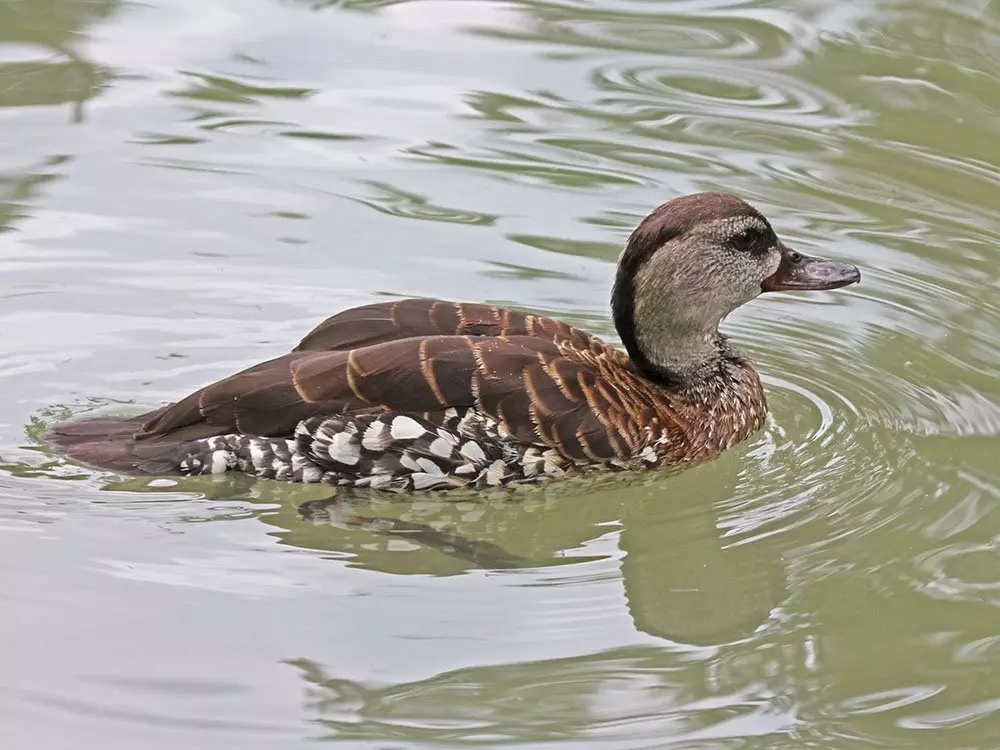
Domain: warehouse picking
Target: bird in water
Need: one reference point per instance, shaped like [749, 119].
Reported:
[421, 394]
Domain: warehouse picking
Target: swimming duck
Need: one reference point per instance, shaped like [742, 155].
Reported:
[427, 394]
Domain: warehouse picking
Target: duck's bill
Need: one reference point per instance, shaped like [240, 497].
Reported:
[804, 273]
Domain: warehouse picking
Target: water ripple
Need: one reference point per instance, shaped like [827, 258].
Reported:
[729, 31]
[725, 91]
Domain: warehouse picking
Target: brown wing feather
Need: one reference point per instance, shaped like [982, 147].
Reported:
[541, 392]
[534, 388]
[273, 397]
[265, 399]
[406, 318]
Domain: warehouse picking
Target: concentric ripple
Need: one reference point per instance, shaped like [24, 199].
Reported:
[678, 29]
[719, 90]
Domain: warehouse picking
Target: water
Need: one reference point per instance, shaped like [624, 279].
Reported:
[187, 187]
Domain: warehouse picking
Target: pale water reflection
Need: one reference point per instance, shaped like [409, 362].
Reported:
[187, 187]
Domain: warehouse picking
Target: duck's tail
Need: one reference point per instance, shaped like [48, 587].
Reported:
[110, 443]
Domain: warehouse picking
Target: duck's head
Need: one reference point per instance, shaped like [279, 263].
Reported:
[689, 264]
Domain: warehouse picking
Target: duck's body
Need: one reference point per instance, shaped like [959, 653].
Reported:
[426, 394]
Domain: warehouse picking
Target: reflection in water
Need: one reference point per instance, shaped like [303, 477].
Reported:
[682, 581]
[32, 84]
[364, 5]
[48, 33]
[686, 584]
[221, 89]
[683, 584]
[483, 554]
[60, 75]
[18, 189]
[551, 701]
[685, 580]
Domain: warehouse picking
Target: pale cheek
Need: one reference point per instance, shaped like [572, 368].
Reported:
[769, 264]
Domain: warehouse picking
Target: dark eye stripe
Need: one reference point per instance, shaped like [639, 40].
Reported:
[753, 240]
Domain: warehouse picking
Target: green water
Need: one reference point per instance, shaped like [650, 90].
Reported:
[186, 187]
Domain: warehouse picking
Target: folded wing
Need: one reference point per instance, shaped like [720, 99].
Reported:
[539, 391]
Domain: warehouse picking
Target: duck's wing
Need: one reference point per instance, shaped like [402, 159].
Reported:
[401, 319]
[540, 392]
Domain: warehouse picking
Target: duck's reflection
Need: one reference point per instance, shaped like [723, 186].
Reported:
[684, 581]
[337, 512]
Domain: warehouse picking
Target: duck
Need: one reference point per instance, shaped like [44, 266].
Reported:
[426, 394]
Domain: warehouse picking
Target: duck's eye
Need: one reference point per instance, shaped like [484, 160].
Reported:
[752, 240]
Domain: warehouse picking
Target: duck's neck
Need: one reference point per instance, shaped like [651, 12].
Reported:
[712, 383]
[672, 337]
[679, 358]
[696, 360]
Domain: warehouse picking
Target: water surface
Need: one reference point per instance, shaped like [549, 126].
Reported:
[187, 187]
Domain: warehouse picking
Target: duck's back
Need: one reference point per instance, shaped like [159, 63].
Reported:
[407, 318]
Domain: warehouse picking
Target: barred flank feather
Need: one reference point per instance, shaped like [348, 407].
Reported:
[388, 451]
